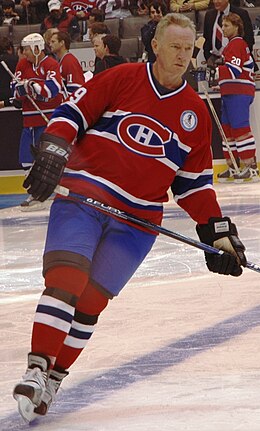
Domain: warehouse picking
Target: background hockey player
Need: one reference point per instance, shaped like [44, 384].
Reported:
[237, 87]
[39, 77]
[70, 68]
[140, 128]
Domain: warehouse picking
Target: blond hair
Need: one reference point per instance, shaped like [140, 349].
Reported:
[177, 19]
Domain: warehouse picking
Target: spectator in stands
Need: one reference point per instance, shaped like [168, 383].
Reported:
[79, 8]
[95, 16]
[115, 8]
[107, 50]
[60, 19]
[8, 56]
[157, 9]
[97, 28]
[243, 3]
[9, 15]
[213, 33]
[41, 9]
[27, 13]
[139, 7]
[188, 5]
[70, 68]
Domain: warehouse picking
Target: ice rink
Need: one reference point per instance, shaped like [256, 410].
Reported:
[178, 350]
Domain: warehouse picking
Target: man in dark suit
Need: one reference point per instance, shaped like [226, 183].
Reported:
[214, 40]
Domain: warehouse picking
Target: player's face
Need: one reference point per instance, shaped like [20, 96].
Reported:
[54, 43]
[99, 47]
[229, 30]
[28, 54]
[220, 5]
[173, 50]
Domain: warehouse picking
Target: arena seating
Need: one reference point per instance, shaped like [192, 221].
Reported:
[128, 29]
[114, 25]
[131, 48]
[5, 31]
[80, 45]
[18, 32]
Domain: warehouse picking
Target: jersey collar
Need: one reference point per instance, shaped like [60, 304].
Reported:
[160, 91]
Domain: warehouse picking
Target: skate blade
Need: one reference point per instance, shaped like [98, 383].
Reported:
[26, 408]
[247, 180]
[225, 180]
[41, 206]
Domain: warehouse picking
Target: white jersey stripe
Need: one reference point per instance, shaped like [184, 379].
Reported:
[191, 192]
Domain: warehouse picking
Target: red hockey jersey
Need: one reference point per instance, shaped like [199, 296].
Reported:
[133, 143]
[74, 6]
[236, 76]
[71, 72]
[47, 76]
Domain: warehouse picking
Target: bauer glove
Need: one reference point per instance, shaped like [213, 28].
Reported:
[222, 234]
[50, 159]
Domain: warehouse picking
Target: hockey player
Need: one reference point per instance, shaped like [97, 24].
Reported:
[237, 89]
[140, 129]
[70, 68]
[38, 76]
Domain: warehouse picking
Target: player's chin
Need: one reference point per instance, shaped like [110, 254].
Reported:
[180, 68]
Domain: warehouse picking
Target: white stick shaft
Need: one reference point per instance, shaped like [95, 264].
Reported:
[220, 128]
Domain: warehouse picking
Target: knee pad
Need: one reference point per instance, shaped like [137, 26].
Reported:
[241, 132]
[65, 283]
[228, 131]
[55, 258]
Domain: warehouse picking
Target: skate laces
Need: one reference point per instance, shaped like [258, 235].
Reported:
[51, 390]
[35, 375]
[52, 387]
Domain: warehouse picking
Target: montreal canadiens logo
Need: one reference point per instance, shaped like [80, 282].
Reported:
[143, 135]
[81, 5]
[189, 120]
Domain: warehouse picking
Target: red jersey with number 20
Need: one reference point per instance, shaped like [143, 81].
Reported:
[236, 75]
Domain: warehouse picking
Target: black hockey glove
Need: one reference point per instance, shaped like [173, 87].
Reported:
[222, 234]
[209, 74]
[50, 159]
[212, 76]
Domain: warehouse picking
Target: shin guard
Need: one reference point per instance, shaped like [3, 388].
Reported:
[88, 308]
[56, 308]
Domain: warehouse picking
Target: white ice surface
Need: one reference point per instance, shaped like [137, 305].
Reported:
[178, 350]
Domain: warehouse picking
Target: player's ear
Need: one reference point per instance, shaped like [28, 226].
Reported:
[154, 45]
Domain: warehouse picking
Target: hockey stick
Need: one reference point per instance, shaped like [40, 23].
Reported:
[220, 128]
[27, 95]
[144, 223]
